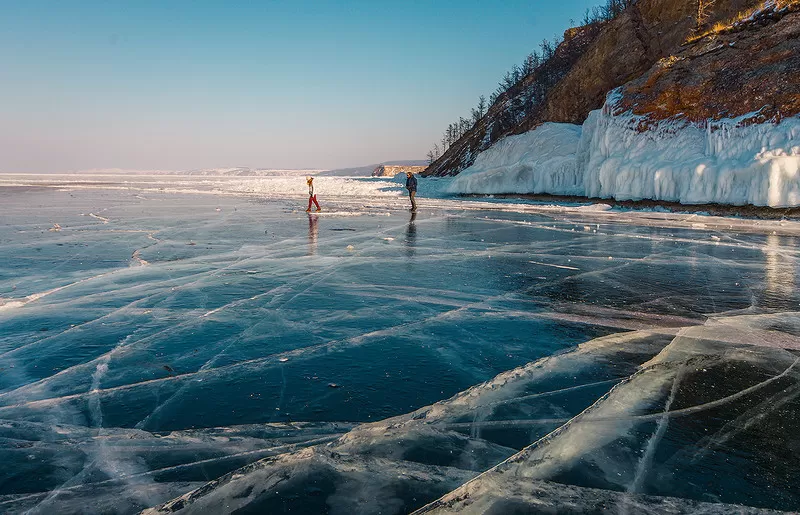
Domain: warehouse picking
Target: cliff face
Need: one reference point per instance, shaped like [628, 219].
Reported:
[753, 66]
[595, 59]
[718, 121]
[391, 170]
[646, 32]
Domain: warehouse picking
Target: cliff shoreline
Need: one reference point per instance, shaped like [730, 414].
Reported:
[694, 113]
[714, 209]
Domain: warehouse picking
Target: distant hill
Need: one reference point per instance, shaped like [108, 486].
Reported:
[392, 170]
[243, 171]
[366, 170]
[209, 172]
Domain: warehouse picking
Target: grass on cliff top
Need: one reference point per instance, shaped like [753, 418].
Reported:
[744, 18]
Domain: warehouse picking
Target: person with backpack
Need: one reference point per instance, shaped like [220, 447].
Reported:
[411, 186]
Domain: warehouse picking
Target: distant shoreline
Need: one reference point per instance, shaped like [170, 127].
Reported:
[746, 211]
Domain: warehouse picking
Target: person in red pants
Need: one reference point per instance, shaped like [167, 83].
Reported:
[311, 196]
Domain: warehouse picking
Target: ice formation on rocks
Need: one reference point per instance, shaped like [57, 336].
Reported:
[623, 156]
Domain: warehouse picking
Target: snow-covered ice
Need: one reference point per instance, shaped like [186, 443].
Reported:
[204, 345]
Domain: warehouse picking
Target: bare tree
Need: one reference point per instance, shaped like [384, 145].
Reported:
[703, 11]
[615, 7]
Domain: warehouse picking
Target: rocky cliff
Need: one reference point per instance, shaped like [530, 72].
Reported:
[392, 170]
[749, 67]
[668, 66]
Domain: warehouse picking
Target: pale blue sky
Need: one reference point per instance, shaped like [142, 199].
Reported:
[278, 84]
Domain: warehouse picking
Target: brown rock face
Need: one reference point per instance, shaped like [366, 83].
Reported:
[627, 48]
[391, 171]
[753, 69]
[598, 58]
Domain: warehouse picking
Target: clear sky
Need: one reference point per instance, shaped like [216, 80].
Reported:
[175, 85]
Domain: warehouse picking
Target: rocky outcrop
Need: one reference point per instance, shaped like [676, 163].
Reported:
[753, 69]
[391, 171]
[716, 122]
[630, 45]
[591, 61]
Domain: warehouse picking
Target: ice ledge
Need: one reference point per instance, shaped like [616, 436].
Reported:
[617, 156]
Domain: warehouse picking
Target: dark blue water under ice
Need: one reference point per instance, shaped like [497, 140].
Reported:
[150, 343]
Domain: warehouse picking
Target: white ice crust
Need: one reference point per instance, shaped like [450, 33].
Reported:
[611, 156]
[539, 161]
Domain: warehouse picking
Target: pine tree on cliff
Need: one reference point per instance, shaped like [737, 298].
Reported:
[482, 105]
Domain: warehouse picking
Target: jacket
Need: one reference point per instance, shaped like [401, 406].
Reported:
[411, 183]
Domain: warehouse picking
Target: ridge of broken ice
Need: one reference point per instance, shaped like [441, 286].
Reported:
[603, 453]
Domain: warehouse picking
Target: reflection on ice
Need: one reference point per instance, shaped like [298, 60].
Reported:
[779, 268]
[496, 358]
[411, 234]
[313, 234]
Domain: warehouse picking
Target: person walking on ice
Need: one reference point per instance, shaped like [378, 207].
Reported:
[311, 196]
[411, 186]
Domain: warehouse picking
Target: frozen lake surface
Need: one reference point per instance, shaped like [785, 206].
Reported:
[187, 345]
